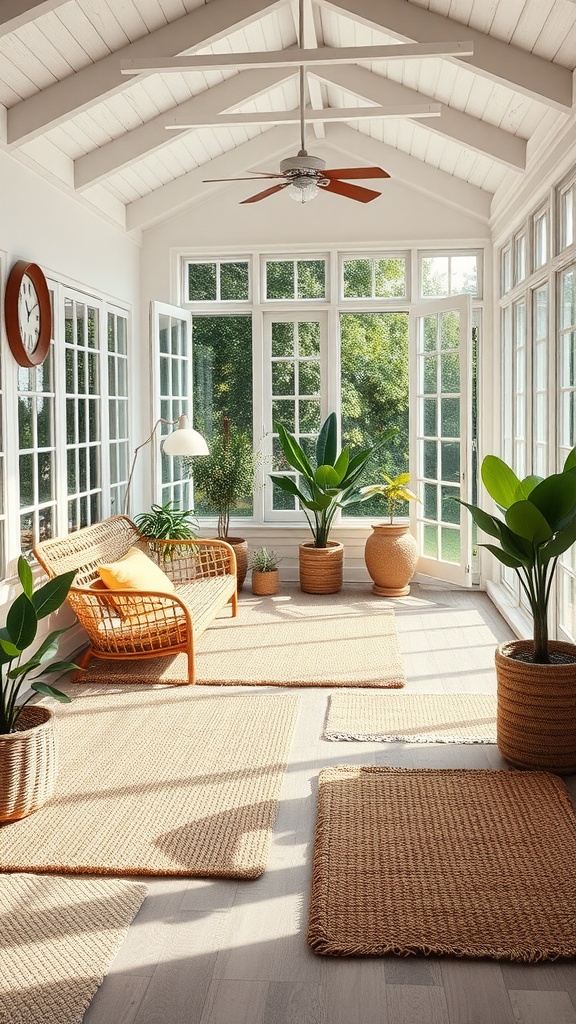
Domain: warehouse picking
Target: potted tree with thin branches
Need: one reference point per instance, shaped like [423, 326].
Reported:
[536, 723]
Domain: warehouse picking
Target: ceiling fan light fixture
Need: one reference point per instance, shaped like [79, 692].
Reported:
[303, 188]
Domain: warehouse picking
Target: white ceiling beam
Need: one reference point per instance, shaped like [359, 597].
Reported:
[15, 13]
[416, 174]
[169, 199]
[78, 92]
[139, 142]
[326, 114]
[519, 70]
[294, 57]
[310, 41]
[469, 131]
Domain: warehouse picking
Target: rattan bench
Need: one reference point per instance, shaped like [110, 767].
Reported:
[142, 624]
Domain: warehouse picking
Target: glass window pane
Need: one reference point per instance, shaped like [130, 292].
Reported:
[520, 257]
[25, 419]
[430, 417]
[434, 276]
[430, 501]
[281, 500]
[282, 339]
[390, 278]
[357, 279]
[450, 330]
[284, 412]
[450, 451]
[430, 375]
[450, 417]
[45, 476]
[430, 541]
[506, 270]
[541, 240]
[568, 299]
[280, 279]
[430, 462]
[309, 413]
[450, 508]
[44, 421]
[309, 338]
[202, 282]
[431, 333]
[26, 533]
[234, 282]
[26, 470]
[450, 373]
[283, 378]
[450, 540]
[222, 377]
[464, 275]
[311, 279]
[309, 378]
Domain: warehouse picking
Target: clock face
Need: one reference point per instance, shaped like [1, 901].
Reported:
[28, 314]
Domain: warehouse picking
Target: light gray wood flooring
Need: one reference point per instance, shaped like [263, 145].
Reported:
[224, 952]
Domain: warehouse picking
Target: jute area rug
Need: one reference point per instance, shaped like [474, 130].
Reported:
[412, 717]
[293, 639]
[59, 936]
[463, 863]
[160, 781]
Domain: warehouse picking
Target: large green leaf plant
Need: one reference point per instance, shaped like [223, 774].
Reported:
[332, 483]
[539, 525]
[19, 633]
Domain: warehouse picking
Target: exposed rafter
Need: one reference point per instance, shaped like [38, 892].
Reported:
[295, 57]
[469, 131]
[203, 26]
[311, 41]
[412, 110]
[15, 13]
[148, 137]
[522, 71]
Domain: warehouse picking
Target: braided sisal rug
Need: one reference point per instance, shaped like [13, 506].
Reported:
[59, 936]
[464, 863]
[294, 639]
[165, 781]
[412, 717]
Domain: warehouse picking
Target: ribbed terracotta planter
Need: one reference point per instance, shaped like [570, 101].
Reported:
[321, 569]
[391, 554]
[241, 551]
[265, 584]
[28, 764]
[536, 717]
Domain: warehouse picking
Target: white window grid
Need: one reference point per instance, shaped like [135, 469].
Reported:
[566, 215]
[266, 260]
[540, 379]
[374, 259]
[118, 441]
[174, 398]
[567, 437]
[506, 277]
[540, 238]
[36, 412]
[83, 410]
[217, 264]
[451, 256]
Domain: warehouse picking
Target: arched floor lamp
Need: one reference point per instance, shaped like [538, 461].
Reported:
[182, 441]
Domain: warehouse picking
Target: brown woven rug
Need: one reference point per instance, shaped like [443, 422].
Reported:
[59, 936]
[464, 863]
[412, 717]
[160, 781]
[293, 639]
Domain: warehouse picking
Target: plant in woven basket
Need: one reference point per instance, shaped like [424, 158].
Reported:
[539, 525]
[19, 633]
[394, 491]
[264, 560]
[226, 476]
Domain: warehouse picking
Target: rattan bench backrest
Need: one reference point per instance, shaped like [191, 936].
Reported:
[86, 549]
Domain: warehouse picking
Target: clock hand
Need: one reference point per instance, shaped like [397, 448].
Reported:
[33, 307]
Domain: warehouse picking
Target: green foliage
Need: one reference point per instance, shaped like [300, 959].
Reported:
[226, 475]
[264, 560]
[167, 522]
[19, 633]
[394, 491]
[332, 483]
[539, 525]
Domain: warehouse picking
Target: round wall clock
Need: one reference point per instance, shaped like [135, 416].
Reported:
[28, 313]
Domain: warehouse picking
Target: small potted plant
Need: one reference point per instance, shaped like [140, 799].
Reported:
[536, 714]
[330, 485]
[225, 478]
[265, 572]
[166, 522]
[391, 552]
[28, 750]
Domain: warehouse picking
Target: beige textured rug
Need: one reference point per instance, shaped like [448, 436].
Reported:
[160, 781]
[464, 863]
[412, 717]
[293, 639]
[59, 936]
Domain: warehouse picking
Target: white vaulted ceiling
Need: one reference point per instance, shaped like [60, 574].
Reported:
[102, 135]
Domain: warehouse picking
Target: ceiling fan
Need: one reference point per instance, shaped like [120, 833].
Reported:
[304, 175]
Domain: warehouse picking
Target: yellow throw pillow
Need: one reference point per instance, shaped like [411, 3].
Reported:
[135, 571]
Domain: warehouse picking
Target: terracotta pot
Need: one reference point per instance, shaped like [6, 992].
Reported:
[536, 709]
[241, 551]
[264, 584]
[321, 568]
[28, 764]
[391, 554]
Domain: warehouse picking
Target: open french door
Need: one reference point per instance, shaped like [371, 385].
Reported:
[171, 331]
[441, 437]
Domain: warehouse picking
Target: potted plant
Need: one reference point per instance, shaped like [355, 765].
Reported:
[324, 488]
[28, 751]
[166, 522]
[265, 572]
[391, 552]
[536, 719]
[226, 477]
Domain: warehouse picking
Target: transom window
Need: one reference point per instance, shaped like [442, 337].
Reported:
[449, 274]
[374, 277]
[217, 281]
[295, 279]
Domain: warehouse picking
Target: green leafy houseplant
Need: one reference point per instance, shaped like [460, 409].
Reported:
[19, 633]
[264, 560]
[539, 525]
[332, 483]
[226, 476]
[167, 522]
[393, 491]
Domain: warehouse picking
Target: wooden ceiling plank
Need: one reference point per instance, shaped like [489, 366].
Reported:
[524, 72]
[15, 13]
[152, 135]
[468, 131]
[202, 27]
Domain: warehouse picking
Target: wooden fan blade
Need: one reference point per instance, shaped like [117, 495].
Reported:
[260, 177]
[357, 192]
[356, 172]
[264, 195]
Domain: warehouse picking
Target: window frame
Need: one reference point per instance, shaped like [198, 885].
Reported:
[390, 300]
[218, 262]
[423, 254]
[295, 258]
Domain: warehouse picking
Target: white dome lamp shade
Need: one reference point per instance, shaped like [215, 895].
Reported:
[182, 441]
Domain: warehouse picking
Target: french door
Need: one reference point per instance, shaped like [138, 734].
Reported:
[171, 328]
[441, 443]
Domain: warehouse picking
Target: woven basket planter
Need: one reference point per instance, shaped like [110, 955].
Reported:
[321, 568]
[265, 584]
[536, 717]
[28, 764]
[391, 554]
[241, 551]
